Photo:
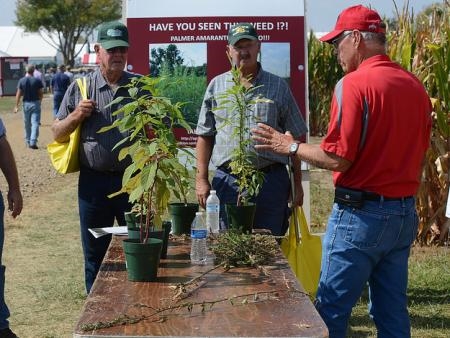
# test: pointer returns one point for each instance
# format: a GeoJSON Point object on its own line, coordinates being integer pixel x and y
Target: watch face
{"type": "Point", "coordinates": [293, 148]}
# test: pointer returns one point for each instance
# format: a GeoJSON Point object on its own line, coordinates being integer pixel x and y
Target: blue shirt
{"type": "Point", "coordinates": [30, 86]}
{"type": "Point", "coordinates": [2, 128]}
{"type": "Point", "coordinates": [60, 82]}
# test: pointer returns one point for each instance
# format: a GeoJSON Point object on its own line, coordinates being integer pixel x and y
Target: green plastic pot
{"type": "Point", "coordinates": [130, 219]}
{"type": "Point", "coordinates": [135, 233]}
{"type": "Point", "coordinates": [241, 217]}
{"type": "Point", "coordinates": [182, 216]}
{"type": "Point", "coordinates": [167, 226]}
{"type": "Point", "coordinates": [142, 259]}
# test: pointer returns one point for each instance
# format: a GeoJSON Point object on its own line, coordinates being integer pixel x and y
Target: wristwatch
{"type": "Point", "coordinates": [293, 148]}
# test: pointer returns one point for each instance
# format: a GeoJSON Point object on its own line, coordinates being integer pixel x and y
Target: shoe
{"type": "Point", "coordinates": [7, 333]}
{"type": "Point", "coordinates": [33, 146]}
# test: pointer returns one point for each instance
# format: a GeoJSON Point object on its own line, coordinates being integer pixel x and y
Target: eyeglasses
{"type": "Point", "coordinates": [337, 41]}
{"type": "Point", "coordinates": [121, 50]}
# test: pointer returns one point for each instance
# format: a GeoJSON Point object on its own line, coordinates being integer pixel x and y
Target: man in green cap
{"type": "Point", "coordinates": [100, 170]}
{"type": "Point", "coordinates": [213, 143]}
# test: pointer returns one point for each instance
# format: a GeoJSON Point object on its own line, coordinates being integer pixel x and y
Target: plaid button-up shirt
{"type": "Point", "coordinates": [282, 114]}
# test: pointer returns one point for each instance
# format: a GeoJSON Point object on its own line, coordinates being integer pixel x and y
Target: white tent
{"type": "Point", "coordinates": [16, 42]}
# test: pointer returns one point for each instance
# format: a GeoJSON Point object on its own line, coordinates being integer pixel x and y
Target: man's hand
{"type": "Point", "coordinates": [84, 109]}
{"type": "Point", "coordinates": [202, 188]}
{"type": "Point", "coordinates": [16, 109]}
{"type": "Point", "coordinates": [15, 202]}
{"type": "Point", "coordinates": [272, 140]}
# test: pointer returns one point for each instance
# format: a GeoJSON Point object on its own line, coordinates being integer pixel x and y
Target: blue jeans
{"type": "Point", "coordinates": [272, 211]}
{"type": "Point", "coordinates": [367, 245]}
{"type": "Point", "coordinates": [4, 311]}
{"type": "Point", "coordinates": [57, 98]}
{"type": "Point", "coordinates": [31, 118]}
{"type": "Point", "coordinates": [97, 210]}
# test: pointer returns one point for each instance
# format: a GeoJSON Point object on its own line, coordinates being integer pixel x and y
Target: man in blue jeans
{"type": "Point", "coordinates": [59, 83]}
{"type": "Point", "coordinates": [379, 131]}
{"type": "Point", "coordinates": [31, 89]}
{"type": "Point", "coordinates": [215, 126]}
{"type": "Point", "coordinates": [101, 171]}
{"type": "Point", "coordinates": [14, 200]}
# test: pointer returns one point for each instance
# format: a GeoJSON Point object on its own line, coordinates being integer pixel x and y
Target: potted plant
{"type": "Point", "coordinates": [155, 172]}
{"type": "Point", "coordinates": [239, 99]}
{"type": "Point", "coordinates": [183, 213]}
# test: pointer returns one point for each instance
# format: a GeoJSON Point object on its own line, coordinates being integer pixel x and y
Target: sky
{"type": "Point", "coordinates": [321, 14]}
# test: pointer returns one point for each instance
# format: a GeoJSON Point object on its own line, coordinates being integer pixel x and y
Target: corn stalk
{"type": "Point", "coordinates": [422, 46]}
{"type": "Point", "coordinates": [323, 72]}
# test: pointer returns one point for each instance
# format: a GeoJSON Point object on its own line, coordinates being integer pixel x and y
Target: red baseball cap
{"type": "Point", "coordinates": [356, 17]}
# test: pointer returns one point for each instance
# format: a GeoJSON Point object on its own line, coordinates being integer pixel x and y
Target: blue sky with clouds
{"type": "Point", "coordinates": [321, 14]}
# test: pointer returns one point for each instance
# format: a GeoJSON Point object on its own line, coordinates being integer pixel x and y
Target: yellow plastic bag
{"type": "Point", "coordinates": [64, 156]}
{"type": "Point", "coordinates": [303, 251]}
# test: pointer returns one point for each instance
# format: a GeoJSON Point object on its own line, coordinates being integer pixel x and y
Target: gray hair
{"type": "Point", "coordinates": [30, 69]}
{"type": "Point", "coordinates": [376, 37]}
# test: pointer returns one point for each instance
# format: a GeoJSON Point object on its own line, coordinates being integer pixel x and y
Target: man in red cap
{"type": "Point", "coordinates": [379, 131]}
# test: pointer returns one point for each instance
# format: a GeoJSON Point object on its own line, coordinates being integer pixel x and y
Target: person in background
{"type": "Point", "coordinates": [379, 131]}
{"type": "Point", "coordinates": [59, 85]}
{"type": "Point", "coordinates": [69, 73]}
{"type": "Point", "coordinates": [31, 89]}
{"type": "Point", "coordinates": [38, 75]}
{"type": "Point", "coordinates": [15, 203]}
{"type": "Point", "coordinates": [272, 211]}
{"type": "Point", "coordinates": [101, 172]}
{"type": "Point", "coordinates": [48, 79]}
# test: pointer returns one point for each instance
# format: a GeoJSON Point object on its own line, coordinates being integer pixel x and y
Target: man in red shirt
{"type": "Point", "coordinates": [378, 134]}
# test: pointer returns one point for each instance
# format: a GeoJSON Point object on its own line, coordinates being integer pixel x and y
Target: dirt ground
{"type": "Point", "coordinates": [35, 169]}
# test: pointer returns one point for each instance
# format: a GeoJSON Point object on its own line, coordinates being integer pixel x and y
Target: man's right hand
{"type": "Point", "coordinates": [202, 188]}
{"type": "Point", "coordinates": [84, 109]}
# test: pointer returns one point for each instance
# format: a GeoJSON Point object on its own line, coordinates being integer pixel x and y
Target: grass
{"type": "Point", "coordinates": [45, 283]}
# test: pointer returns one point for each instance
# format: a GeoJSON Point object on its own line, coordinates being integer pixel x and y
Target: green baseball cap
{"type": "Point", "coordinates": [241, 31]}
{"type": "Point", "coordinates": [112, 34]}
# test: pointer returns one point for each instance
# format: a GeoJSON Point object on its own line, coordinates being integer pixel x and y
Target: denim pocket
{"type": "Point", "coordinates": [363, 229]}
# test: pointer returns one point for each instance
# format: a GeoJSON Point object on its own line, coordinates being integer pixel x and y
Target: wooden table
{"type": "Point", "coordinates": [247, 303]}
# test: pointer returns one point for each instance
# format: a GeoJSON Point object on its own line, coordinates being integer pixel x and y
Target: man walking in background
{"type": "Point", "coordinates": [15, 203]}
{"type": "Point", "coordinates": [31, 89]}
{"type": "Point", "coordinates": [60, 83]}
{"type": "Point", "coordinates": [379, 132]}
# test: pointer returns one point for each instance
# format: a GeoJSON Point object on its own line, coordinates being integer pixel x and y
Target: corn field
{"type": "Point", "coordinates": [420, 43]}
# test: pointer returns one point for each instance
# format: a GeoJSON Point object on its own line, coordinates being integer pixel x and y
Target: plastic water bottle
{"type": "Point", "coordinates": [212, 212]}
{"type": "Point", "coordinates": [198, 239]}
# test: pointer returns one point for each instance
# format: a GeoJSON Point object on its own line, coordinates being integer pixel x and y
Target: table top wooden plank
{"type": "Point", "coordinates": [274, 306]}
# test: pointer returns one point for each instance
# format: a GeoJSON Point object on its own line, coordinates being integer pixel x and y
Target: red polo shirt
{"type": "Point", "coordinates": [381, 122]}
